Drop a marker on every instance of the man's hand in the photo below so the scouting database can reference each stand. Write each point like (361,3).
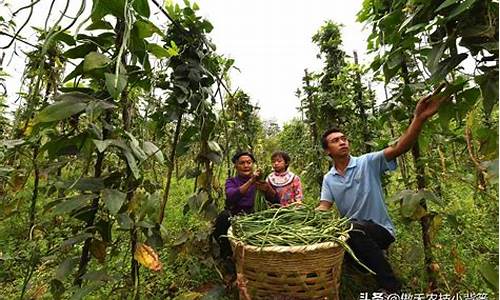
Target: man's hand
(324,205)
(429,105)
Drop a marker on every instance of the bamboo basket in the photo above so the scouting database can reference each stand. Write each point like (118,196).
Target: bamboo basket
(288,272)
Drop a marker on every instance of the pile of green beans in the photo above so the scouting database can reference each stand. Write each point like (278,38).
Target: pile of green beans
(292,226)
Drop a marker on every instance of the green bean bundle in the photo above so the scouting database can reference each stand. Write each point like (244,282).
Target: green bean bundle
(292,226)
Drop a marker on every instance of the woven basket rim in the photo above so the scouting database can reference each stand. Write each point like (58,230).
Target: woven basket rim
(289,249)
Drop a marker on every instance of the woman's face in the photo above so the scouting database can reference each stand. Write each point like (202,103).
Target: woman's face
(244,165)
(279,164)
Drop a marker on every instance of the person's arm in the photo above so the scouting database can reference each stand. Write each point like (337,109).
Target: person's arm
(232,191)
(297,186)
(326,197)
(426,108)
(324,205)
(246,186)
(270,193)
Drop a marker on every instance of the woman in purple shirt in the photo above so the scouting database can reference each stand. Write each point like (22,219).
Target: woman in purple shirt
(240,197)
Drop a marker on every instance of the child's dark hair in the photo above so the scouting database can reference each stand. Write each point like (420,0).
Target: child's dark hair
(283,155)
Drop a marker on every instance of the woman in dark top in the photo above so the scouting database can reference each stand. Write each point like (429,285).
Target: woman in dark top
(240,197)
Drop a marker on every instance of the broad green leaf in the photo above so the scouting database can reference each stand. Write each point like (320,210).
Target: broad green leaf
(114,84)
(10,144)
(445,4)
(125,221)
(142,7)
(72,203)
(135,147)
(80,51)
(97,276)
(99,24)
(446,66)
(102,8)
(65,37)
(489,89)
(157,50)
(409,206)
(60,110)
(173,50)
(214,146)
(401,195)
(461,8)
(56,289)
(491,167)
(102,145)
(65,268)
(94,60)
(145,29)
(67,244)
(151,149)
(490,274)
(87,184)
(113,199)
(77,71)
(131,163)
(435,56)
(104,228)
(84,291)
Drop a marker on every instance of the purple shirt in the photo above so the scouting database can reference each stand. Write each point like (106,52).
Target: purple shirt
(237,202)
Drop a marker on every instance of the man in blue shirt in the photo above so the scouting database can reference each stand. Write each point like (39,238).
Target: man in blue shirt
(354,185)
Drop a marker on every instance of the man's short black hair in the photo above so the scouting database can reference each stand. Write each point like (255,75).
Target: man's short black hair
(242,153)
(284,155)
(324,142)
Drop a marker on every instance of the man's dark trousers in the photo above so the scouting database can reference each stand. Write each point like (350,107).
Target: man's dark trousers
(368,242)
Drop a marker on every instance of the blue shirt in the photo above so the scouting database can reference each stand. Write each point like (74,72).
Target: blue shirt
(358,194)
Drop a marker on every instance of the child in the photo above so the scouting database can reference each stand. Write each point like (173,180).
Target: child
(284,182)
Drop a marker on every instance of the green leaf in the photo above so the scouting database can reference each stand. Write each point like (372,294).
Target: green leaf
(56,289)
(464,6)
(435,56)
(113,199)
(445,4)
(131,163)
(64,37)
(65,268)
(145,29)
(151,149)
(10,144)
(409,206)
(102,145)
(104,229)
(491,167)
(80,51)
(84,291)
(142,7)
(214,146)
(114,84)
(67,244)
(489,90)
(446,66)
(88,184)
(72,203)
(157,50)
(97,276)
(66,106)
(77,71)
(94,60)
(102,8)
(125,222)
(490,274)
(99,25)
